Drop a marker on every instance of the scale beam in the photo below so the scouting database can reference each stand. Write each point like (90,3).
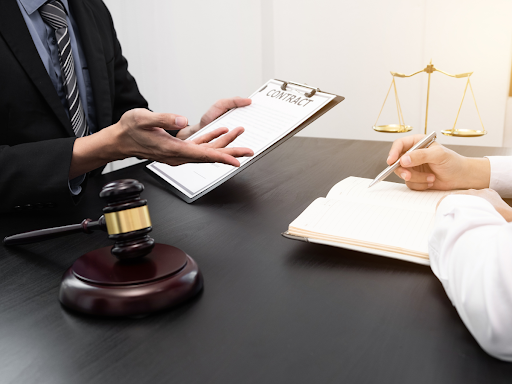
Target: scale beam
(401,127)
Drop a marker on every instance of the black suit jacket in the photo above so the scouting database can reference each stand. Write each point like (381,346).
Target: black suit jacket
(36,138)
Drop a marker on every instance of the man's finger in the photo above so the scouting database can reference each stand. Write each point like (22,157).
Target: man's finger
(401,146)
(147,119)
(193,153)
(209,136)
(228,138)
(233,102)
(238,151)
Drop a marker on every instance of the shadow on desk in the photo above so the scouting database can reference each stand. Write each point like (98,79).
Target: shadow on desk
(322,256)
(233,191)
(372,271)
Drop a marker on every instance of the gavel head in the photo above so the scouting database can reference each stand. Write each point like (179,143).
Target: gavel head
(127,219)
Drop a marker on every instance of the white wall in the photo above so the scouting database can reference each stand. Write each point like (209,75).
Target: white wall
(350,47)
(187,54)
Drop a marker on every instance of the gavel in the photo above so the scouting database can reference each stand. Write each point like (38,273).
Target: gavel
(125,219)
(135,276)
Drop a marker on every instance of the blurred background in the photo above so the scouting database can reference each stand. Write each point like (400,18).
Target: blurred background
(187,54)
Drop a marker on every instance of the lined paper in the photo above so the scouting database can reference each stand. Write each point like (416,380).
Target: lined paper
(388,215)
(386,193)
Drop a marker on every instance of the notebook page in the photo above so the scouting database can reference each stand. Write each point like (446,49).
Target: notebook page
(386,194)
(387,214)
(272,115)
(365,223)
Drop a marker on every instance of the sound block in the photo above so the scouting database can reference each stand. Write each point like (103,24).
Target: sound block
(100,284)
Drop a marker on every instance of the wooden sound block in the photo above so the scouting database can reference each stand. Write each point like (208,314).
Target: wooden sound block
(100,284)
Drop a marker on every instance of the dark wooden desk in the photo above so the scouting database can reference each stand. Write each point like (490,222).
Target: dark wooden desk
(273,310)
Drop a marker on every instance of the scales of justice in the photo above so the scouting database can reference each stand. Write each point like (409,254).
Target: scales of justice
(402,127)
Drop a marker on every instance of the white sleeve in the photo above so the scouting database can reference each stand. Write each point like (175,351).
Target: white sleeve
(501,175)
(470,252)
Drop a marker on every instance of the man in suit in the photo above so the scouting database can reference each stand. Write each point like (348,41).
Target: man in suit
(68,105)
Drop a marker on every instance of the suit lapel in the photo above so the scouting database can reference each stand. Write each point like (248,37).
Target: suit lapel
(93,49)
(15,32)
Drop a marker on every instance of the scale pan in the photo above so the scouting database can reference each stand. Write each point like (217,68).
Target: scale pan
(392,128)
(463,132)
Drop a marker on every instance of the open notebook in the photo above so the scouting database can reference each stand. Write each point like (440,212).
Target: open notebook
(388,219)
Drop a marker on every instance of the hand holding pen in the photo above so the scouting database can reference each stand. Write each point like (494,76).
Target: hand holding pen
(423,143)
(437,167)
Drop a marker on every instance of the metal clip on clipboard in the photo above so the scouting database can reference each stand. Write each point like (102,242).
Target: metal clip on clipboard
(308,94)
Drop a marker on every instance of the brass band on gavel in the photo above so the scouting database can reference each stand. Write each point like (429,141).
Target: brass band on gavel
(128,220)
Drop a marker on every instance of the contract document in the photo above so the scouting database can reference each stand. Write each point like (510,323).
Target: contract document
(278,110)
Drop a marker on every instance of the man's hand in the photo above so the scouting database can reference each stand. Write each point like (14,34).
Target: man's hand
(141,133)
(437,167)
(216,110)
(492,197)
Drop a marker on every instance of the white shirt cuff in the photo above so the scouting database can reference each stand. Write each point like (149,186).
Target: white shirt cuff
(501,175)
(75,185)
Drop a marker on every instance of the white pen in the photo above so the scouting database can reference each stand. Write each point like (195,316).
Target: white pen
(425,143)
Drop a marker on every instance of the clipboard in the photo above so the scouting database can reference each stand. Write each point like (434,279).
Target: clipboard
(307,91)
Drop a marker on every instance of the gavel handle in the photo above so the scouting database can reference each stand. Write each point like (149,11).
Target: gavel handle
(86,226)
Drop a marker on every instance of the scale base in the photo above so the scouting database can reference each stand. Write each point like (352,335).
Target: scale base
(99,284)
(463,132)
(392,128)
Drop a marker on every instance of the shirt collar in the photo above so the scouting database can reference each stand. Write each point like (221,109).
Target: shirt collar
(33,5)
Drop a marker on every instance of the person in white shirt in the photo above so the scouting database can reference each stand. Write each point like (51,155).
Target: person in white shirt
(470,247)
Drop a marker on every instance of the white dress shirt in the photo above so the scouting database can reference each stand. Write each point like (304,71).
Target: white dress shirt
(470,252)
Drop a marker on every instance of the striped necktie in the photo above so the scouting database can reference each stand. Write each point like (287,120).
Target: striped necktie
(54,14)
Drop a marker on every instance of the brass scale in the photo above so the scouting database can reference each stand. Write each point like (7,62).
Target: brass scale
(402,127)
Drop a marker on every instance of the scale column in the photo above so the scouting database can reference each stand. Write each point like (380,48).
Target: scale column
(429,69)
